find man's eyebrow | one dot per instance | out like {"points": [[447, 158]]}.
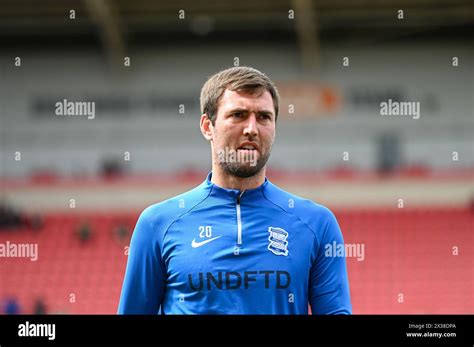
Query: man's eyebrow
{"points": [[244, 110]]}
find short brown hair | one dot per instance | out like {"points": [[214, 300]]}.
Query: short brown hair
{"points": [[236, 78]]}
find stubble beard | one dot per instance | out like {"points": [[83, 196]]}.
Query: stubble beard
{"points": [[245, 169]]}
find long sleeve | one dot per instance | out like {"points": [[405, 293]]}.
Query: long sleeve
{"points": [[329, 284], [145, 277]]}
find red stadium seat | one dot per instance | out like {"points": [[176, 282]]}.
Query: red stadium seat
{"points": [[408, 252]]}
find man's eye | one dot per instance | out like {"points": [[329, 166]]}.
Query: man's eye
{"points": [[238, 114], [265, 116]]}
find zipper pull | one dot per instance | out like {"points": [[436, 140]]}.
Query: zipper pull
{"points": [[239, 196]]}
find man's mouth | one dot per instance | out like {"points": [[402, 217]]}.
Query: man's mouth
{"points": [[248, 148], [249, 151]]}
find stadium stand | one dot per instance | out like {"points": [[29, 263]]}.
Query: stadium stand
{"points": [[401, 256]]}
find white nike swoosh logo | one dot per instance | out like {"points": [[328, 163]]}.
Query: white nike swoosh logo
{"points": [[195, 244]]}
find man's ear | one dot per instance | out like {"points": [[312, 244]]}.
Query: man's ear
{"points": [[206, 127]]}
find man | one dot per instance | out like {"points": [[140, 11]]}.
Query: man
{"points": [[236, 244]]}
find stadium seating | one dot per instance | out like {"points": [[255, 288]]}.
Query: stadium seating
{"points": [[409, 265]]}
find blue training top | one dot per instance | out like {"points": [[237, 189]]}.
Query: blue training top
{"points": [[222, 251]]}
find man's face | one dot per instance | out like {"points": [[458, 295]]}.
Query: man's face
{"points": [[244, 131]]}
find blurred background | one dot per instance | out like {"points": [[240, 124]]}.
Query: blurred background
{"points": [[74, 185]]}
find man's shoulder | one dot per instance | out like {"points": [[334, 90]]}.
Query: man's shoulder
{"points": [[167, 211], [307, 210]]}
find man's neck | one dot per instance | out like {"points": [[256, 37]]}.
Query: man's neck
{"points": [[228, 181]]}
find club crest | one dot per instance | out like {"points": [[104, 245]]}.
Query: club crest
{"points": [[277, 241]]}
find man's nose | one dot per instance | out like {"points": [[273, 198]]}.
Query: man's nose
{"points": [[251, 126]]}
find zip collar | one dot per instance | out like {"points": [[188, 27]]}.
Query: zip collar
{"points": [[234, 194]]}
